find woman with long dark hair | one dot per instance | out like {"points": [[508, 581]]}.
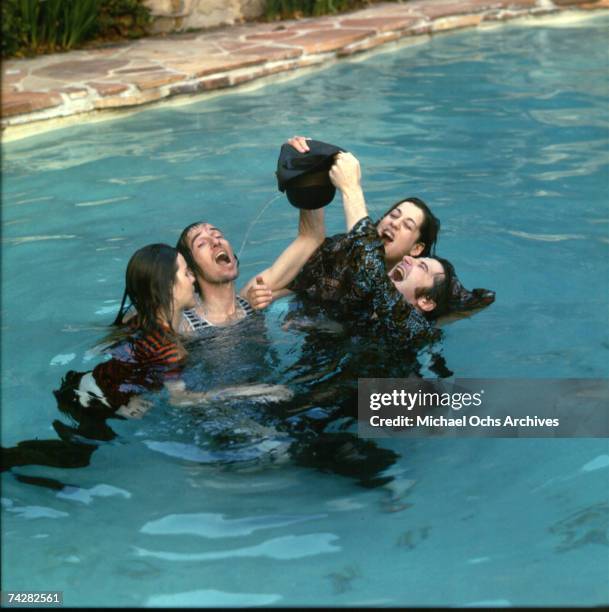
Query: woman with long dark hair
{"points": [[149, 356], [408, 229], [159, 285]]}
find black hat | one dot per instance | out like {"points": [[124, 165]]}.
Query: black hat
{"points": [[462, 299], [304, 176]]}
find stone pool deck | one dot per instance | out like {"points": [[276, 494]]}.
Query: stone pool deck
{"points": [[53, 90]]}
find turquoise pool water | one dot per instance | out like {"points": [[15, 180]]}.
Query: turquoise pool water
{"points": [[504, 133]]}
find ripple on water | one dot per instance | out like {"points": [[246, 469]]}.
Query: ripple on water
{"points": [[209, 525], [85, 496], [284, 548], [600, 462], [31, 200], [102, 202], [135, 180], [546, 237], [26, 239], [212, 597], [35, 512], [62, 359]]}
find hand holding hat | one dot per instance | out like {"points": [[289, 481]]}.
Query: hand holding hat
{"points": [[345, 174], [305, 176]]}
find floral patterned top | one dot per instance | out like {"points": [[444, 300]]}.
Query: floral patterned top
{"points": [[348, 278]]}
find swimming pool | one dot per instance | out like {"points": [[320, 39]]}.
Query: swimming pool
{"points": [[504, 133]]}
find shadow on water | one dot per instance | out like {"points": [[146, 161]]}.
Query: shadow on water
{"points": [[309, 419]]}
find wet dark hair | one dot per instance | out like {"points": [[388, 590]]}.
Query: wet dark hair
{"points": [[440, 291], [430, 228], [184, 249], [149, 281]]}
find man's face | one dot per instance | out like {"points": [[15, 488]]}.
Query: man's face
{"points": [[413, 273], [212, 253], [400, 231]]}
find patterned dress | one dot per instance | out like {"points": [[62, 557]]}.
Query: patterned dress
{"points": [[141, 362], [347, 277]]}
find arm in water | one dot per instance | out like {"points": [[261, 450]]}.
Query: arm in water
{"points": [[255, 392]]}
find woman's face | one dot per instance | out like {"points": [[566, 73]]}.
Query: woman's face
{"points": [[183, 286], [400, 231]]}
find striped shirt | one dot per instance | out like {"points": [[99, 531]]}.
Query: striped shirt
{"points": [[193, 322], [140, 363]]}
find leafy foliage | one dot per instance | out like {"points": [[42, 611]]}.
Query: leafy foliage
{"points": [[285, 9], [39, 26]]}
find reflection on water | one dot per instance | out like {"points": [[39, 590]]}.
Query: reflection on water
{"points": [[504, 134]]}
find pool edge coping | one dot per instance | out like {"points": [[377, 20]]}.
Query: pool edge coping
{"points": [[93, 107]]}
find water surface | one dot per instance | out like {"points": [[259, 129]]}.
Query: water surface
{"points": [[505, 134]]}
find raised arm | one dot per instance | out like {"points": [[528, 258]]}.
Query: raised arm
{"points": [[270, 284], [346, 176]]}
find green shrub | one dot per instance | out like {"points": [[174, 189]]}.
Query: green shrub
{"points": [[14, 30], [123, 19], [42, 26], [284, 9]]}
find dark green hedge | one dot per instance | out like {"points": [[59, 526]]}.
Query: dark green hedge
{"points": [[285, 9], [41, 26]]}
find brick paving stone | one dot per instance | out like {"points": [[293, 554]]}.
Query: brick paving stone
{"points": [[366, 45], [79, 70], [195, 62], [449, 9], [21, 103], [74, 93], [12, 76], [214, 83], [137, 69], [319, 23], [200, 86], [152, 80], [572, 2], [456, 22], [324, 41], [380, 24], [272, 36], [207, 65], [229, 44], [125, 101], [521, 4], [595, 4], [108, 89], [272, 53]]}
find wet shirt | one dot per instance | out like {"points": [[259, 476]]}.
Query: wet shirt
{"points": [[194, 323], [348, 278], [139, 363]]}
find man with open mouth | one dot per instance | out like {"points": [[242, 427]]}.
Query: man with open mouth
{"points": [[349, 278], [211, 258], [409, 228]]}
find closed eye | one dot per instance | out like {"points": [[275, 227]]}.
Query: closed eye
{"points": [[423, 265]]}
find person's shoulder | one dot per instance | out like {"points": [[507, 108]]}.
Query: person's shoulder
{"points": [[156, 346], [364, 227], [245, 306]]}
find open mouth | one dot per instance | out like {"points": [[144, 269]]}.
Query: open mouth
{"points": [[398, 274], [222, 258], [387, 235]]}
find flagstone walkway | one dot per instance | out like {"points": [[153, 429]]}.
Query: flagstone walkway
{"points": [[38, 91]]}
